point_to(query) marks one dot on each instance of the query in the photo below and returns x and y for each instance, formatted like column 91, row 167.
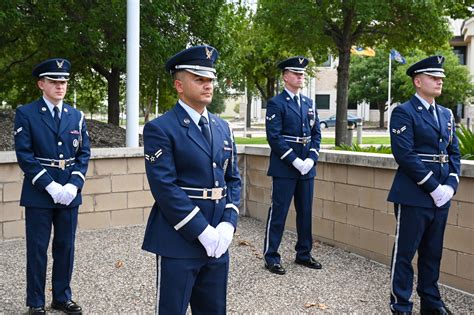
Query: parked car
column 331, row 121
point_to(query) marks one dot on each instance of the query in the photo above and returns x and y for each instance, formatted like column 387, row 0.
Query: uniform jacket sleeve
column 233, row 183
column 402, row 142
column 454, row 157
column 78, row 175
column 274, row 127
column 176, row 206
column 315, row 138
column 32, row 168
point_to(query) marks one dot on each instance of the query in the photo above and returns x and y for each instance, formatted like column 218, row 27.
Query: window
column 322, row 101
column 327, row 63
column 460, row 51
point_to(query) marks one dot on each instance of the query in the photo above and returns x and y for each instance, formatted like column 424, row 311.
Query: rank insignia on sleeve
column 153, row 157
column 270, row 117
column 399, row 131
column 15, row 132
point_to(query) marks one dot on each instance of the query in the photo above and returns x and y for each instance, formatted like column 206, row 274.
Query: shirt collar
column 51, row 106
column 195, row 116
column 424, row 102
column 292, row 95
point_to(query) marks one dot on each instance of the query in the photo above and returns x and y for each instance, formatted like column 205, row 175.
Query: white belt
column 302, row 140
column 434, row 158
column 62, row 164
column 216, row 193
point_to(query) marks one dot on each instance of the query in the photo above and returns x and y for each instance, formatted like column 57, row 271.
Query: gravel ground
column 114, row 276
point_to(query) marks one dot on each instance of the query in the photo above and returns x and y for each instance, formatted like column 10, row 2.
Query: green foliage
column 466, row 142
column 237, row 108
column 370, row 149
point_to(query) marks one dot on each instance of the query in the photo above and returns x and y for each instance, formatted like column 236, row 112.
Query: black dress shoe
column 443, row 310
column 276, row 268
column 68, row 307
column 36, row 311
column 310, row 263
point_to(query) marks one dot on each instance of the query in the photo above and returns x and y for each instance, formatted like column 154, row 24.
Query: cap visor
column 436, row 74
column 56, row 78
column 296, row 71
column 202, row 73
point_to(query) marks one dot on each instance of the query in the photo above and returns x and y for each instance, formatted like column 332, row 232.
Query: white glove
column 440, row 196
column 226, row 233
column 55, row 190
column 209, row 238
column 298, row 164
column 68, row 194
column 308, row 165
column 448, row 194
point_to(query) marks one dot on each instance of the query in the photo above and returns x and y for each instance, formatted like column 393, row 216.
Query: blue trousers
column 283, row 190
column 419, row 229
column 38, row 230
column 199, row 282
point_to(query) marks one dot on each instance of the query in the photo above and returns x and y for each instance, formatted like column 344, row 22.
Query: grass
column 365, row 140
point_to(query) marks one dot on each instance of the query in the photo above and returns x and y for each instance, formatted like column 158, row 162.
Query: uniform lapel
column 291, row 103
column 46, row 116
column 65, row 119
column 442, row 119
column 193, row 131
column 216, row 134
column 425, row 114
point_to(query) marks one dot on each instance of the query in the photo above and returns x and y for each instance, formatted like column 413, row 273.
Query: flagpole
column 389, row 90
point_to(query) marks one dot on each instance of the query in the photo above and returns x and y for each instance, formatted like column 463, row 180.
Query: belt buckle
column 204, row 193
column 216, row 193
column 305, row 140
column 443, row 158
column 62, row 164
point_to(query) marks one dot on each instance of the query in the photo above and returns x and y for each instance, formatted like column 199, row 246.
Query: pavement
column 113, row 275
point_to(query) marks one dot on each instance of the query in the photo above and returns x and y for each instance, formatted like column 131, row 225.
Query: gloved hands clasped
column 303, row 166
column 442, row 194
column 217, row 240
column 63, row 195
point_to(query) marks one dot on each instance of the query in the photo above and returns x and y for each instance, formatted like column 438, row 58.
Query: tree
column 338, row 25
column 369, row 81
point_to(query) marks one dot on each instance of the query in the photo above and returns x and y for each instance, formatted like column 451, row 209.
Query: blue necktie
column 431, row 110
column 205, row 129
column 296, row 99
column 57, row 120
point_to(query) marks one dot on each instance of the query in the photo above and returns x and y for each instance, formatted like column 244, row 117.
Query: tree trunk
column 381, row 115
column 248, row 111
column 113, row 92
column 342, row 95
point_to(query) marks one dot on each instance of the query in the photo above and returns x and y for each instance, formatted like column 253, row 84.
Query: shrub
column 466, row 142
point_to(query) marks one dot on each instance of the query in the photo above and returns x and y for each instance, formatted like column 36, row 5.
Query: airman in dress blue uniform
column 294, row 135
column 191, row 165
column 425, row 146
column 52, row 148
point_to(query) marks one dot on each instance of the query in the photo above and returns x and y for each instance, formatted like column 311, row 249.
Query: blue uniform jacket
column 36, row 138
column 177, row 156
column 414, row 131
column 285, row 117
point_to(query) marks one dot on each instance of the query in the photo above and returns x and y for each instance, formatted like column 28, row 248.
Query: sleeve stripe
column 426, row 178
column 186, row 219
column 79, row 174
column 315, row 151
column 38, row 176
column 455, row 175
column 286, row 153
column 232, row 206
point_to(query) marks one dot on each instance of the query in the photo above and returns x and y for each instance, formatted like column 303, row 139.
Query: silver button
column 61, row 156
column 60, row 143
column 303, row 125
column 304, row 134
column 440, row 140
column 216, row 183
column 214, row 164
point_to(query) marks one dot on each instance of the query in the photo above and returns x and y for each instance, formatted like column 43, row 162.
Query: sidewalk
column 114, row 276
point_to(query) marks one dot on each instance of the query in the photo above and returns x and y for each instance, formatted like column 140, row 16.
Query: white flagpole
column 389, row 90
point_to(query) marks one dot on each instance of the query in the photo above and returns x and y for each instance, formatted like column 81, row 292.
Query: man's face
column 427, row 85
column 293, row 80
column 53, row 91
column 194, row 90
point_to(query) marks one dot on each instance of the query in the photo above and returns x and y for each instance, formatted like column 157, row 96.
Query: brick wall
column 349, row 206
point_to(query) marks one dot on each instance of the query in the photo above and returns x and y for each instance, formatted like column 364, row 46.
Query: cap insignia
column 209, row 52
column 440, row 59
column 301, row 60
column 59, row 63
